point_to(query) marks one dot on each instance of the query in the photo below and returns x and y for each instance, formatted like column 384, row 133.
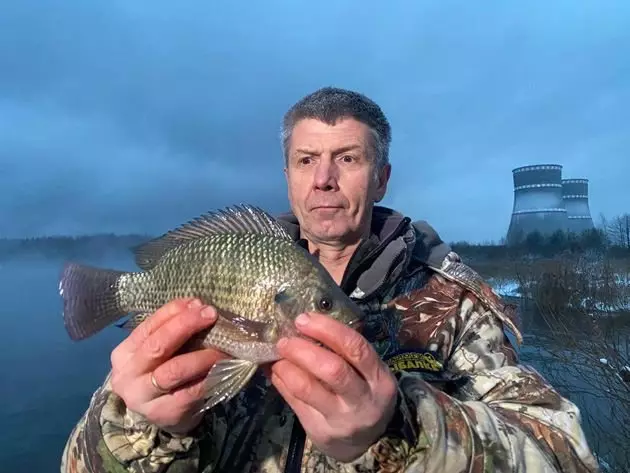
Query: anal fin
column 226, row 379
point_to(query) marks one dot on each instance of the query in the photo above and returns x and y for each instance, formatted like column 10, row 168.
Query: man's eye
column 347, row 158
column 304, row 160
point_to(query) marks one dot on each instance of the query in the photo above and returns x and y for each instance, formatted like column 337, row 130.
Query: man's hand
column 149, row 350
column 344, row 398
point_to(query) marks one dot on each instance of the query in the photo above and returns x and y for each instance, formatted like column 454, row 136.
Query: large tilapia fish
column 242, row 261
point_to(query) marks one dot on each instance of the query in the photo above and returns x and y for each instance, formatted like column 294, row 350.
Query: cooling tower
column 575, row 197
column 538, row 204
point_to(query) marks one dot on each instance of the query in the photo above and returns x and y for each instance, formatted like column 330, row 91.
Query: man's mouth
column 325, row 207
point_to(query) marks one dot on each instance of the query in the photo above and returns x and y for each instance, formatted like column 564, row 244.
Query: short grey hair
column 330, row 104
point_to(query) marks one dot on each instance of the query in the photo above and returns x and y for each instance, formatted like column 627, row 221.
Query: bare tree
column 585, row 347
column 618, row 230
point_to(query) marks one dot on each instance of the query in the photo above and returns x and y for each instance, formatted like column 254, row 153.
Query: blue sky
column 135, row 116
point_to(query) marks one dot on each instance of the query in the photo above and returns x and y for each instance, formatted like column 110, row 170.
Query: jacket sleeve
column 501, row 416
column 109, row 438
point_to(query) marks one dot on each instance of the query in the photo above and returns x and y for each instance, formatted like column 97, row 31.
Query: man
column 430, row 384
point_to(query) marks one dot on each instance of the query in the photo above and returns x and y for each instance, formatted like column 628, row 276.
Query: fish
column 240, row 260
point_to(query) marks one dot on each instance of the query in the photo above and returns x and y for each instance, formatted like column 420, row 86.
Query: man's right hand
column 149, row 350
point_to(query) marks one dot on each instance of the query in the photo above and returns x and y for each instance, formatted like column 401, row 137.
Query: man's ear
column 383, row 179
column 286, row 177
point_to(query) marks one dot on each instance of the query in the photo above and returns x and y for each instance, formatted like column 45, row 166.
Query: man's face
column 330, row 176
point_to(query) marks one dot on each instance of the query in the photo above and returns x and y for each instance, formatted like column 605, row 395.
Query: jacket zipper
column 298, row 435
column 296, row 448
column 349, row 279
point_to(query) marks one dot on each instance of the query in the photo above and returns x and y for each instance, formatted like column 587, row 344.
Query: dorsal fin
column 238, row 219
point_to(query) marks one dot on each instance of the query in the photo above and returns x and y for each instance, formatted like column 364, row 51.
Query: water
column 48, row 379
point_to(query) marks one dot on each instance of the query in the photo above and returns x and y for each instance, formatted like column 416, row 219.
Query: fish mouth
column 356, row 324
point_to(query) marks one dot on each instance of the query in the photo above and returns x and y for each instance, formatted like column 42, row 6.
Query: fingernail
column 282, row 343
column 302, row 320
column 209, row 313
column 194, row 304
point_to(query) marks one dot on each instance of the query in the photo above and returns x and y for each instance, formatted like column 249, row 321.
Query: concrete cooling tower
column 538, row 202
column 575, row 197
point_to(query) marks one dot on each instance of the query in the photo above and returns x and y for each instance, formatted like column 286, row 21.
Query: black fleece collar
column 384, row 221
column 394, row 242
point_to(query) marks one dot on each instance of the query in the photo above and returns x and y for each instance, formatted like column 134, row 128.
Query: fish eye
column 325, row 304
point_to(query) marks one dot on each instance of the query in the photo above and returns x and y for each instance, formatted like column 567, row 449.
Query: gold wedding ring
column 157, row 386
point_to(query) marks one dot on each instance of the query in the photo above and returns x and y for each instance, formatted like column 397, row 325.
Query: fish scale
column 240, row 260
column 200, row 262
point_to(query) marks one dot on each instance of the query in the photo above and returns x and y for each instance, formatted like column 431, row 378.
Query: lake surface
column 48, row 379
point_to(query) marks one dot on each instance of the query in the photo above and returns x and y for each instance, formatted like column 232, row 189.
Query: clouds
column 132, row 116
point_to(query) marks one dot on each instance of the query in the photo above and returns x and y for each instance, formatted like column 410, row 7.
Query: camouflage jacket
column 466, row 404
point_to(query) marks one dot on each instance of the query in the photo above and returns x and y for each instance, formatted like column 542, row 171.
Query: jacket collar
column 393, row 245
column 385, row 221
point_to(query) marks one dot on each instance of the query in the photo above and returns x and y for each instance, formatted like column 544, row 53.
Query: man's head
column 336, row 150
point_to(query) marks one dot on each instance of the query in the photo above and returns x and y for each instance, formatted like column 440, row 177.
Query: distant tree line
column 67, row 246
column 610, row 237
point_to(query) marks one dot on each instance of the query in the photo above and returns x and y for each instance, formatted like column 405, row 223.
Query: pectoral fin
column 226, row 379
column 132, row 322
column 243, row 329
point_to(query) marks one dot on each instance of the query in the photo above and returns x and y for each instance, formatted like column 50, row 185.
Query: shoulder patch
column 414, row 360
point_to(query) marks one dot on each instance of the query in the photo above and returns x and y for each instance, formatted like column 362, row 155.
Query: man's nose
column 326, row 175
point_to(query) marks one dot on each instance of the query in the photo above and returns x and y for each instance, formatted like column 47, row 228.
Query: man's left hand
column 344, row 398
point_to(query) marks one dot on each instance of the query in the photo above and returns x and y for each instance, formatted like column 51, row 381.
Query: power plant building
column 546, row 203
column 575, row 197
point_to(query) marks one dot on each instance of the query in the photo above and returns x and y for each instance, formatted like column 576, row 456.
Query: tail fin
column 90, row 301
